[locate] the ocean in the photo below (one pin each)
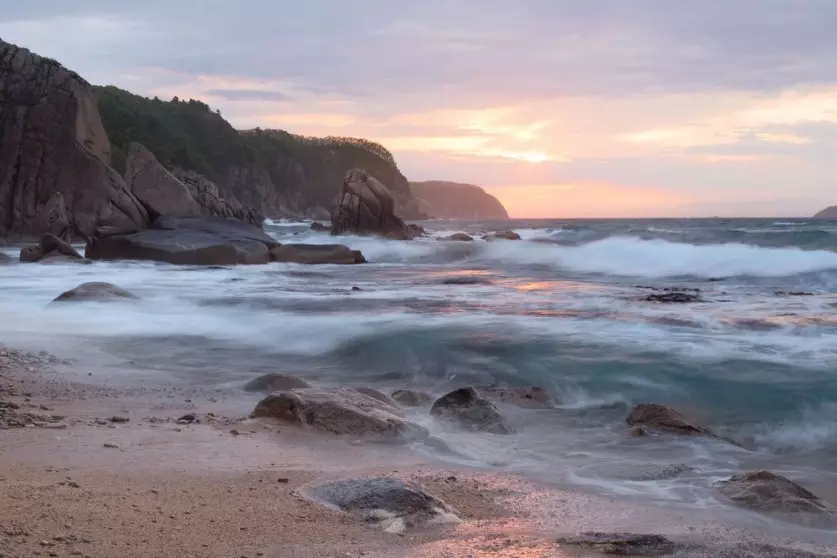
(564, 308)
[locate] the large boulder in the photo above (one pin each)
(52, 141)
(768, 492)
(339, 411)
(660, 417)
(393, 504)
(187, 241)
(96, 292)
(467, 408)
(316, 254)
(48, 247)
(459, 237)
(366, 207)
(501, 235)
(276, 381)
(156, 187)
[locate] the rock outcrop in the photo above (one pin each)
(52, 142)
(96, 292)
(212, 203)
(276, 381)
(157, 188)
(316, 254)
(768, 492)
(829, 213)
(452, 200)
(366, 207)
(339, 411)
(393, 504)
(187, 241)
(467, 408)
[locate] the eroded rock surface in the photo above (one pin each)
(660, 417)
(768, 492)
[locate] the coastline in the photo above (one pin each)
(170, 489)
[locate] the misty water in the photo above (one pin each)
(563, 308)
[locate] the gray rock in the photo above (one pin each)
(621, 544)
(467, 280)
(466, 407)
(319, 227)
(366, 207)
(379, 395)
(213, 203)
(390, 503)
(188, 241)
(526, 396)
(277, 381)
(52, 141)
(459, 237)
(156, 187)
(501, 235)
(316, 254)
(49, 246)
(768, 492)
(412, 397)
(96, 292)
(339, 411)
(660, 417)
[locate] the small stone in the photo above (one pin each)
(111, 445)
(235, 432)
(282, 480)
(120, 419)
(73, 484)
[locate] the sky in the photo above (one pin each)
(560, 108)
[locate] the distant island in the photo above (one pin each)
(454, 200)
(827, 213)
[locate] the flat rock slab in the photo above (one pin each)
(467, 408)
(313, 254)
(620, 544)
(342, 411)
(771, 493)
(276, 381)
(96, 292)
(393, 504)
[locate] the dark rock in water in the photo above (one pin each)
(793, 293)
(636, 432)
(501, 235)
(96, 292)
(529, 396)
(356, 289)
(339, 411)
(412, 397)
(49, 246)
(621, 544)
(459, 237)
(54, 258)
(390, 503)
(768, 492)
(469, 409)
(376, 394)
(52, 142)
(188, 241)
(316, 254)
(416, 230)
(270, 383)
(467, 280)
(367, 207)
(319, 227)
(673, 297)
(660, 417)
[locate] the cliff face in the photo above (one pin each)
(827, 213)
(52, 142)
(452, 200)
(276, 173)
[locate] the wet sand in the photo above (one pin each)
(83, 485)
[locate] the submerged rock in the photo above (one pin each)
(339, 411)
(501, 235)
(316, 254)
(276, 381)
(673, 297)
(49, 246)
(470, 410)
(319, 227)
(768, 492)
(366, 207)
(96, 292)
(660, 417)
(390, 503)
(412, 397)
(469, 280)
(622, 544)
(459, 237)
(528, 396)
(416, 230)
(187, 241)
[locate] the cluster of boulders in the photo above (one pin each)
(490, 237)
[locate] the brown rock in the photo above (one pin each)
(276, 381)
(466, 407)
(366, 207)
(49, 246)
(412, 397)
(52, 218)
(52, 141)
(660, 417)
(316, 254)
(96, 292)
(156, 187)
(459, 237)
(212, 203)
(769, 492)
(379, 395)
(339, 411)
(502, 235)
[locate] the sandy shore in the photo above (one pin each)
(76, 483)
